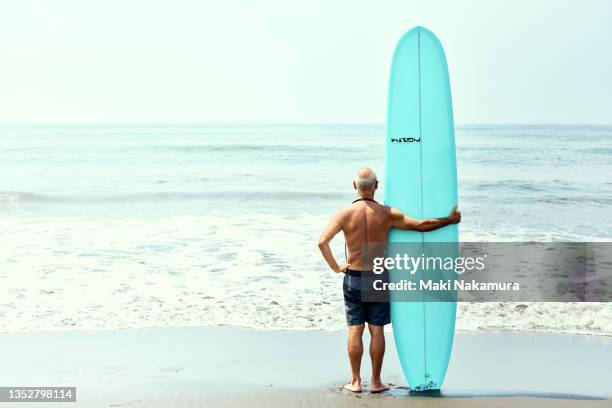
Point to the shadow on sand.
(405, 391)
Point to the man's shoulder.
(382, 206)
(385, 209)
(347, 209)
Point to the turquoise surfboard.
(421, 181)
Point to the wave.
(599, 201)
(198, 148)
(236, 196)
(522, 185)
(16, 196)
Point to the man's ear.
(376, 185)
(354, 185)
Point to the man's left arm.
(327, 235)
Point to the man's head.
(365, 181)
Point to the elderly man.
(362, 222)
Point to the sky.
(284, 61)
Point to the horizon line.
(202, 124)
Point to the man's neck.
(369, 196)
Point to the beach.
(155, 266)
(198, 197)
(233, 367)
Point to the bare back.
(360, 221)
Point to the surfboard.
(421, 180)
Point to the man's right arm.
(334, 227)
(402, 221)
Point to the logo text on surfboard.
(405, 140)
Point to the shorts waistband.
(353, 272)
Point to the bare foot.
(354, 386)
(378, 386)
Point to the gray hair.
(365, 179)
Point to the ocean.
(108, 227)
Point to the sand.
(231, 367)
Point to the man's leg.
(355, 351)
(377, 352)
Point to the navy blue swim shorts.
(357, 310)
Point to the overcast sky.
(314, 61)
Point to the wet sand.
(231, 367)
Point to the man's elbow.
(322, 243)
(420, 226)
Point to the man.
(365, 221)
